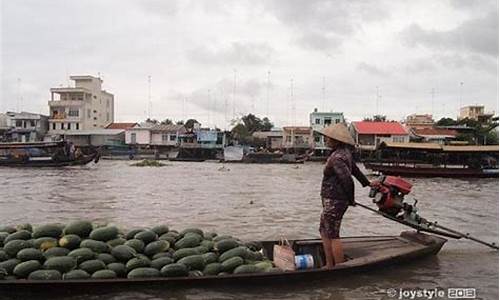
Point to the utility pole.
(377, 100)
(292, 103)
(234, 95)
(460, 99)
(432, 101)
(267, 93)
(150, 104)
(18, 94)
(324, 94)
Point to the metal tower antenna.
(267, 93)
(377, 100)
(292, 102)
(460, 99)
(432, 101)
(18, 94)
(150, 104)
(234, 94)
(208, 108)
(323, 93)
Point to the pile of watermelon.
(81, 250)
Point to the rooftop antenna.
(150, 104)
(208, 107)
(292, 102)
(460, 99)
(432, 101)
(267, 92)
(18, 94)
(184, 109)
(323, 93)
(377, 100)
(234, 94)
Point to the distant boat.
(434, 160)
(43, 154)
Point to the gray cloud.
(239, 53)
(159, 7)
(323, 24)
(372, 70)
(479, 35)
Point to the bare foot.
(327, 267)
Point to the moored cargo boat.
(44, 154)
(363, 253)
(434, 160)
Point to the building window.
(318, 121)
(32, 123)
(328, 121)
(53, 126)
(69, 126)
(77, 126)
(317, 139)
(95, 118)
(95, 111)
(173, 137)
(164, 137)
(62, 126)
(133, 138)
(19, 123)
(337, 121)
(288, 138)
(73, 113)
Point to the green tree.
(247, 125)
(190, 124)
(167, 122)
(446, 122)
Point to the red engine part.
(389, 194)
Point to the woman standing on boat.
(337, 189)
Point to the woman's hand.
(374, 183)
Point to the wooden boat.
(363, 253)
(434, 160)
(417, 170)
(41, 154)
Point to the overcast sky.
(332, 55)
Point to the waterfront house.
(433, 135)
(475, 112)
(297, 139)
(99, 137)
(23, 127)
(271, 140)
(369, 134)
(166, 135)
(139, 135)
(85, 106)
(318, 121)
(421, 121)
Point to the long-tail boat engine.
(388, 194)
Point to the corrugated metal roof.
(367, 127)
(435, 131)
(102, 131)
(486, 148)
(422, 146)
(439, 147)
(121, 125)
(168, 128)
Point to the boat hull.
(48, 164)
(366, 253)
(432, 172)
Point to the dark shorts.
(331, 217)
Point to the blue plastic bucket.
(305, 261)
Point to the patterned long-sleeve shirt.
(337, 182)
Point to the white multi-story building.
(320, 120)
(85, 106)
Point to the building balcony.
(65, 103)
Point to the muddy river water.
(256, 202)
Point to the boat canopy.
(433, 147)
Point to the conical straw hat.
(338, 132)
